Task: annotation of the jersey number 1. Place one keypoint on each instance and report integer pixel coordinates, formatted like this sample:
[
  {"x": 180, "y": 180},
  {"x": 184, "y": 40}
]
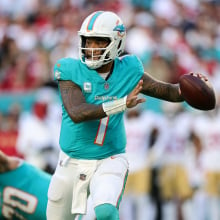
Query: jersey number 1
[{"x": 100, "y": 136}]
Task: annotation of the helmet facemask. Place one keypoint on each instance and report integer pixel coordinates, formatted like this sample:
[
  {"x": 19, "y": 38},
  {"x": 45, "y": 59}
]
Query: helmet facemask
[
  {"x": 95, "y": 61},
  {"x": 106, "y": 25}
]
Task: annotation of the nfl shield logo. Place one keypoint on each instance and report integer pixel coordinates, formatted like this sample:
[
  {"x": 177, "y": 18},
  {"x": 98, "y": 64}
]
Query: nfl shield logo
[
  {"x": 106, "y": 86},
  {"x": 82, "y": 176}
]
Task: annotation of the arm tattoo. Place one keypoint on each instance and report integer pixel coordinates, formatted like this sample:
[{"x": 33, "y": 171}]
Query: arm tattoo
[
  {"x": 75, "y": 103},
  {"x": 161, "y": 90}
]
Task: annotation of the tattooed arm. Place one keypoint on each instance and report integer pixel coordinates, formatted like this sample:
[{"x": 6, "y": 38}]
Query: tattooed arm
[
  {"x": 75, "y": 103},
  {"x": 79, "y": 110},
  {"x": 161, "y": 90}
]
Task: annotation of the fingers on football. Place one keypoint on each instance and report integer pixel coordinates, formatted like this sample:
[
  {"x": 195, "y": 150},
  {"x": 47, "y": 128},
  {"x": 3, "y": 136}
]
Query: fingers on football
[{"x": 199, "y": 75}]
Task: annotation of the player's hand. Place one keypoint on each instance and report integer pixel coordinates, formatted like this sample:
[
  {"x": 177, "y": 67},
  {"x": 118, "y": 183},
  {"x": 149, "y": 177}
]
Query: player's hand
[
  {"x": 199, "y": 75},
  {"x": 132, "y": 98}
]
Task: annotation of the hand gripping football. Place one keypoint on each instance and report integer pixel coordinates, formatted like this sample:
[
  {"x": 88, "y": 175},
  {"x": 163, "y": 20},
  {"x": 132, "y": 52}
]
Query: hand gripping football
[{"x": 197, "y": 91}]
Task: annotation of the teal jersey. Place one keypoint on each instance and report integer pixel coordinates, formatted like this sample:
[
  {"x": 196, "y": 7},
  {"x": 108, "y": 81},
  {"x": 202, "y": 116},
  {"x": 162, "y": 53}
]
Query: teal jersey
[
  {"x": 97, "y": 139},
  {"x": 23, "y": 193}
]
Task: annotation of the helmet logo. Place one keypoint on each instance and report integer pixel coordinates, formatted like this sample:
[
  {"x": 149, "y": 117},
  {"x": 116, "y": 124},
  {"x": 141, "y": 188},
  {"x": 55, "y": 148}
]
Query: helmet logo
[{"x": 120, "y": 29}]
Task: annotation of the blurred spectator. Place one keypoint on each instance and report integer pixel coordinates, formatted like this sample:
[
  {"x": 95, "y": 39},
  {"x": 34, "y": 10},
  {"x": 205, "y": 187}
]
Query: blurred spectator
[
  {"x": 137, "y": 203},
  {"x": 197, "y": 178},
  {"x": 17, "y": 76},
  {"x": 175, "y": 187},
  {"x": 9, "y": 131},
  {"x": 140, "y": 40},
  {"x": 18, "y": 8},
  {"x": 207, "y": 130},
  {"x": 39, "y": 131}
]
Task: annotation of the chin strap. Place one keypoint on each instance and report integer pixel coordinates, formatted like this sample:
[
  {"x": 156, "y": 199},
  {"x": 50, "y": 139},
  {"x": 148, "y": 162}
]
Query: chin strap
[{"x": 115, "y": 106}]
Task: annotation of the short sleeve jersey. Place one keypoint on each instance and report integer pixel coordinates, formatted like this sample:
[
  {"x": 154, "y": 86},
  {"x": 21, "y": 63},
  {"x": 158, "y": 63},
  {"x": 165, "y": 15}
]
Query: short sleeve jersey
[
  {"x": 23, "y": 193},
  {"x": 97, "y": 139}
]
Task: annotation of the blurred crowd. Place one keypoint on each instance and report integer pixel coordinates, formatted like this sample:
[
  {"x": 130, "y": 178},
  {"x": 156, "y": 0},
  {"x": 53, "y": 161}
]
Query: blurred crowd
[
  {"x": 171, "y": 37},
  {"x": 174, "y": 164}
]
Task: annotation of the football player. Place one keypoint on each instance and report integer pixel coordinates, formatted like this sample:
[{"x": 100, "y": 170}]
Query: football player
[
  {"x": 207, "y": 130},
  {"x": 95, "y": 91},
  {"x": 23, "y": 189},
  {"x": 139, "y": 125},
  {"x": 174, "y": 182}
]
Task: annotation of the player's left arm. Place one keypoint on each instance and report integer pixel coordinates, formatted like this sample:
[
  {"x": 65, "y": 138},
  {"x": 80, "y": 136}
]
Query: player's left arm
[{"x": 161, "y": 90}]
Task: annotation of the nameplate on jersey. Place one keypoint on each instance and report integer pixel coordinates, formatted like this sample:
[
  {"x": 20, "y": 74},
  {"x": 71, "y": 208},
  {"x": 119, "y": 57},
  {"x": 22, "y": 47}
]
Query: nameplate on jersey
[{"x": 87, "y": 87}]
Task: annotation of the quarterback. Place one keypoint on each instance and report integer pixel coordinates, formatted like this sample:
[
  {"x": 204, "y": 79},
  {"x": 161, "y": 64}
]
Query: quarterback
[{"x": 95, "y": 91}]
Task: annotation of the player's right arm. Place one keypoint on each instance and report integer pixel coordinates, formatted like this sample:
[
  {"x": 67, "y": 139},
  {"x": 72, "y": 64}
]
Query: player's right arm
[
  {"x": 75, "y": 103},
  {"x": 79, "y": 110}
]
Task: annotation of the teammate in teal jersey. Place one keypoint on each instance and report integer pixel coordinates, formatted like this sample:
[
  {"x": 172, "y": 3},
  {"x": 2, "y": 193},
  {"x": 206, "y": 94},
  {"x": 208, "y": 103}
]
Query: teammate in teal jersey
[
  {"x": 23, "y": 190},
  {"x": 95, "y": 91}
]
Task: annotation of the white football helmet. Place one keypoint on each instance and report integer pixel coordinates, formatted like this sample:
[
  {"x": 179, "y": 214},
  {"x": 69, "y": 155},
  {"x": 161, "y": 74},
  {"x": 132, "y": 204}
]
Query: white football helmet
[{"x": 104, "y": 24}]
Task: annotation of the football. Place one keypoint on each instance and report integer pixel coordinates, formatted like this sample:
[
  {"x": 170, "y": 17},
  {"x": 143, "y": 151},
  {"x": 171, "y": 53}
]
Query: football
[{"x": 197, "y": 91}]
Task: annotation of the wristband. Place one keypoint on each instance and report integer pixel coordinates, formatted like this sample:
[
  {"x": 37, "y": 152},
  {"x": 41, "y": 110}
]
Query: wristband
[{"x": 115, "y": 106}]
